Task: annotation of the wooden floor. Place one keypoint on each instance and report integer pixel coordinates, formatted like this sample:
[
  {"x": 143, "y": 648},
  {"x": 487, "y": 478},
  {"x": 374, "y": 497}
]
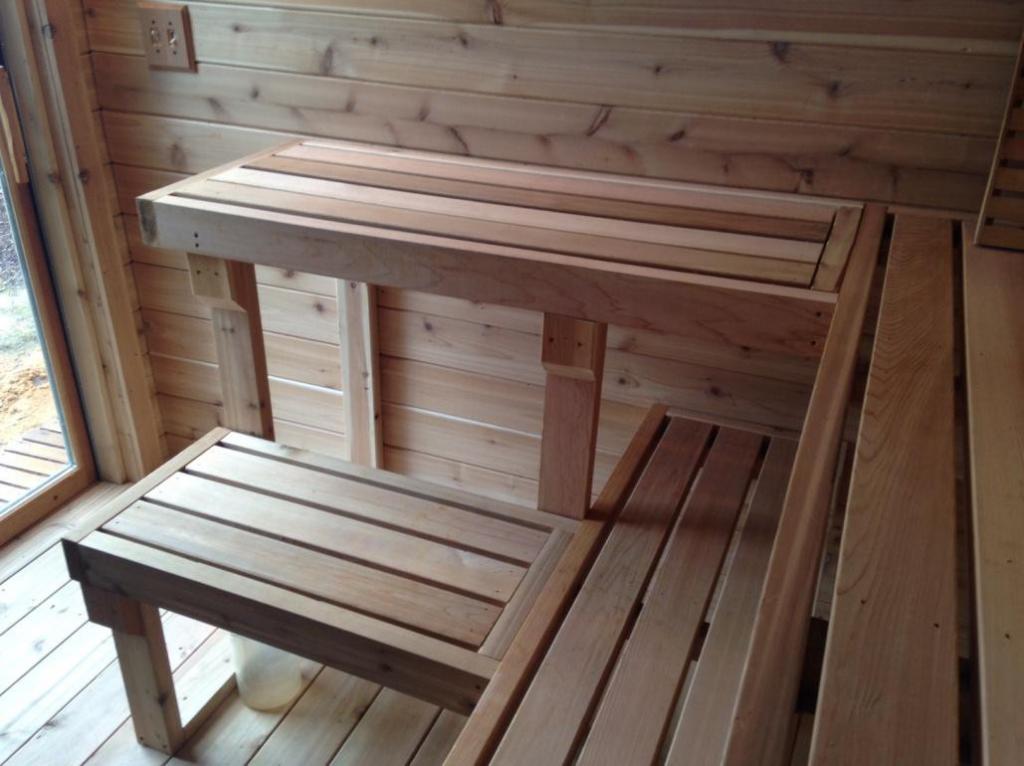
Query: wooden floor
[
  {"x": 62, "y": 701},
  {"x": 31, "y": 461}
]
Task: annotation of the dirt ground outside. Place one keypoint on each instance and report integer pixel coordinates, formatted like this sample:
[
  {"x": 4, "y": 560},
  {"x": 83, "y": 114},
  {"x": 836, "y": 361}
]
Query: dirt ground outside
[{"x": 26, "y": 401}]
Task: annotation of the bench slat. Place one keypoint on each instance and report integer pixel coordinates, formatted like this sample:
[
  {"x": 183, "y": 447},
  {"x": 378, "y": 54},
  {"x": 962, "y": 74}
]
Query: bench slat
[
  {"x": 460, "y": 217},
  {"x": 563, "y": 180},
  {"x": 706, "y": 714},
  {"x": 994, "y": 328},
  {"x": 889, "y": 690},
  {"x": 526, "y": 649},
  {"x": 527, "y": 196},
  {"x": 767, "y": 266},
  {"x": 380, "y": 547},
  {"x": 650, "y": 669},
  {"x": 418, "y": 516},
  {"x": 397, "y": 482},
  {"x": 548, "y": 722},
  {"x": 370, "y": 591}
]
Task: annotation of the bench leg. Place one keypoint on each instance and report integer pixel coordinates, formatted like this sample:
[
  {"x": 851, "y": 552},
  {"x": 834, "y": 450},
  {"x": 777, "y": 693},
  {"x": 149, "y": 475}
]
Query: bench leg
[{"x": 142, "y": 655}]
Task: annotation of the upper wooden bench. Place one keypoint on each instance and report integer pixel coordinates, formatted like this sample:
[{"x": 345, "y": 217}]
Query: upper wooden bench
[
  {"x": 607, "y": 248},
  {"x": 683, "y": 227}
]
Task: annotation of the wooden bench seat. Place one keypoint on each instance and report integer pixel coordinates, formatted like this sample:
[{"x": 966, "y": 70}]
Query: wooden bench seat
[
  {"x": 889, "y": 691},
  {"x": 994, "y": 331},
  {"x": 756, "y": 236},
  {"x": 412, "y": 586},
  {"x": 613, "y": 676},
  {"x": 417, "y": 587}
]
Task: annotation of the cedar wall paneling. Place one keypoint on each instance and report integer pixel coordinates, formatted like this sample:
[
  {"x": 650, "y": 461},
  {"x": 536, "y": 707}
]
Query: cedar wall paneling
[{"x": 868, "y": 100}]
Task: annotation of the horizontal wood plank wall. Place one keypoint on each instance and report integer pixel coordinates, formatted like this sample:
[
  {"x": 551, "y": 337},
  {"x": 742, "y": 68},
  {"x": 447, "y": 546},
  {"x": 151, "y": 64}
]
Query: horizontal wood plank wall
[
  {"x": 881, "y": 102},
  {"x": 841, "y": 99}
]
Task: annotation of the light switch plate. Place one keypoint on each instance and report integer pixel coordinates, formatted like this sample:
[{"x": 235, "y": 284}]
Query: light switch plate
[{"x": 166, "y": 35}]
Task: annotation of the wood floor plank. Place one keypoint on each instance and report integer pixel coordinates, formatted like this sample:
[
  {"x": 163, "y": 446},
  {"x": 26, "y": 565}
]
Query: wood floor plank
[
  {"x": 994, "y": 328},
  {"x": 377, "y": 546},
  {"x": 36, "y": 465},
  {"x": 706, "y": 712},
  {"x": 44, "y": 451},
  {"x": 889, "y": 688},
  {"x": 547, "y": 723},
  {"x": 91, "y": 711},
  {"x": 31, "y": 586},
  {"x": 235, "y": 732},
  {"x": 82, "y": 725},
  {"x": 199, "y": 678},
  {"x": 420, "y": 516},
  {"x": 51, "y": 684},
  {"x": 37, "y": 634},
  {"x": 370, "y": 591},
  {"x": 319, "y": 722},
  {"x": 438, "y": 742},
  {"x": 389, "y": 733},
  {"x": 81, "y": 512},
  {"x": 52, "y": 437},
  {"x": 19, "y": 478},
  {"x": 649, "y": 672}
]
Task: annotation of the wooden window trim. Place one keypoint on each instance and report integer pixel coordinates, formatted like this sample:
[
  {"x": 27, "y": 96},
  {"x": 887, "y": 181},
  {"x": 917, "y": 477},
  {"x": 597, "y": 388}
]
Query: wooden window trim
[
  {"x": 74, "y": 198},
  {"x": 44, "y": 499}
]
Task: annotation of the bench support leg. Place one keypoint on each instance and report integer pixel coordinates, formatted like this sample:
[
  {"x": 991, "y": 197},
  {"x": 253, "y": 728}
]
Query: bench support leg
[
  {"x": 573, "y": 356},
  {"x": 229, "y": 290},
  {"x": 360, "y": 368},
  {"x": 142, "y": 655}
]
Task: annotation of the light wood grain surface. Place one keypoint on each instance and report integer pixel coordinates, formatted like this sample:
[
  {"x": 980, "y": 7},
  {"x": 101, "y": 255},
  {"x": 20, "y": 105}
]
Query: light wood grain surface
[
  {"x": 995, "y": 347},
  {"x": 889, "y": 689}
]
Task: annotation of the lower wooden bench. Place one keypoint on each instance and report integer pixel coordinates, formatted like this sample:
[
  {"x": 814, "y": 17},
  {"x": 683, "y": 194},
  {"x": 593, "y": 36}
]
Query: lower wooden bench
[
  {"x": 411, "y": 586},
  {"x": 610, "y": 688},
  {"x": 417, "y": 587}
]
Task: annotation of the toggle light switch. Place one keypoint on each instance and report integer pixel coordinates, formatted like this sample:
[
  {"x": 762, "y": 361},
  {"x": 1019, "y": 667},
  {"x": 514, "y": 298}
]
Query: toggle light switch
[{"x": 166, "y": 35}]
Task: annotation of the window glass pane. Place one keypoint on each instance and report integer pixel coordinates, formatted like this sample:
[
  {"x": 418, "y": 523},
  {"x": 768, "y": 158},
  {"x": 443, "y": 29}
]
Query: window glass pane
[{"x": 33, "y": 444}]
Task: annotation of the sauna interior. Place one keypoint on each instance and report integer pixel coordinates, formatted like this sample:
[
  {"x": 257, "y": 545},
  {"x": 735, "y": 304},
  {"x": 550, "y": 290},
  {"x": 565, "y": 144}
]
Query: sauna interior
[{"x": 410, "y": 382}]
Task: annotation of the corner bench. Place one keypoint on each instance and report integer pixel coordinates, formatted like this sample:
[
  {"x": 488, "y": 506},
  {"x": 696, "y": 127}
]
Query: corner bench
[{"x": 451, "y": 597}]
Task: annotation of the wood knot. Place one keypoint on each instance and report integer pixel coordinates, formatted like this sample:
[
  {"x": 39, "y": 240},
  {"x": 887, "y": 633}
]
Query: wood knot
[
  {"x": 327, "y": 60},
  {"x": 497, "y": 14}
]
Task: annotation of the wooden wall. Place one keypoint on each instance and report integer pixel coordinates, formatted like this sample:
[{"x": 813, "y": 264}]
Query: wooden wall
[{"x": 868, "y": 100}]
